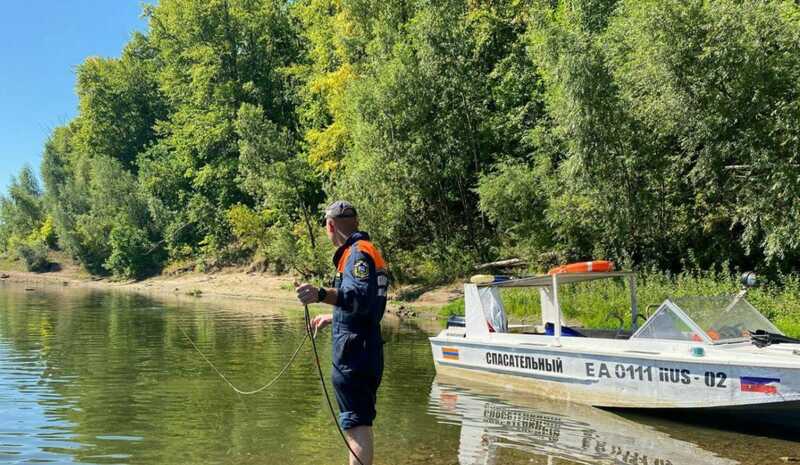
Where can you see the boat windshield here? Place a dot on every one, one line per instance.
(720, 319)
(725, 318)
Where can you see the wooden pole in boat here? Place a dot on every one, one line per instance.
(557, 308)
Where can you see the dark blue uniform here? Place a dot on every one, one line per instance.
(361, 282)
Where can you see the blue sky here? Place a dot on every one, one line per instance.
(41, 43)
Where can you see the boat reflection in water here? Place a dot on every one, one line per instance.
(552, 430)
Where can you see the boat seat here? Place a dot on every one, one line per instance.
(566, 331)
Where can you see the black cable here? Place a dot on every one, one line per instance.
(324, 388)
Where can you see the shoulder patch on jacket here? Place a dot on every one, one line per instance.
(361, 269)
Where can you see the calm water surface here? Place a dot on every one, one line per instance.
(100, 378)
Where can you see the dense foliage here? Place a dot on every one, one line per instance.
(658, 133)
(26, 232)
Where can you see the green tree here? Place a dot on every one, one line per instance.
(89, 166)
(120, 103)
(25, 229)
(610, 176)
(22, 209)
(716, 84)
(401, 107)
(89, 196)
(213, 57)
(286, 190)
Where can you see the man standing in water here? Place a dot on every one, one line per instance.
(358, 297)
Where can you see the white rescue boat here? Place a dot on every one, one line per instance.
(691, 353)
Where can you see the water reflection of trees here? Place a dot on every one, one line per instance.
(131, 385)
(132, 374)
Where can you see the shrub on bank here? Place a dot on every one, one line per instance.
(280, 243)
(34, 255)
(132, 254)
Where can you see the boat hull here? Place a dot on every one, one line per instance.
(637, 379)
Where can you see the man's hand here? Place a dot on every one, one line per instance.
(320, 321)
(307, 293)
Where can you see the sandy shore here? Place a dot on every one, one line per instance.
(232, 284)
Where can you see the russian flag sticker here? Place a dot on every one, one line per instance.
(762, 385)
(450, 353)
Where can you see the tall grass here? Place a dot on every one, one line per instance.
(601, 304)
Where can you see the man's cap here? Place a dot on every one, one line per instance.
(341, 209)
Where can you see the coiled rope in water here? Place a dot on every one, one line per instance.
(224, 378)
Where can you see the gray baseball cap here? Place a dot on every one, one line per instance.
(341, 209)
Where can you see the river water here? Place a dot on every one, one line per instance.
(101, 377)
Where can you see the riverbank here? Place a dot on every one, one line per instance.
(591, 305)
(230, 283)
